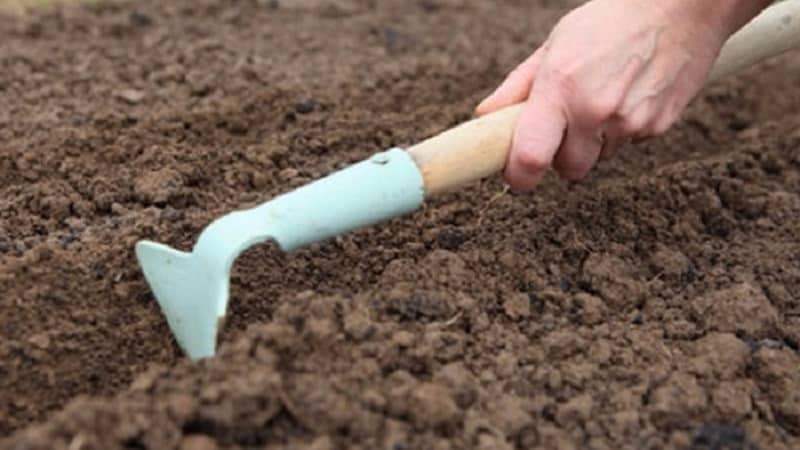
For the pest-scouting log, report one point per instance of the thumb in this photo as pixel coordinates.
(537, 138)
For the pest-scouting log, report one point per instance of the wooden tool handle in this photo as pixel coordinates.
(479, 148)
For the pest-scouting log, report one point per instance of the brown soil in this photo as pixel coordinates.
(652, 306)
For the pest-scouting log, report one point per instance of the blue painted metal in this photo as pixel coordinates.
(192, 288)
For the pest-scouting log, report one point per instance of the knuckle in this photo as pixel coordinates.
(532, 161)
(633, 124)
(601, 109)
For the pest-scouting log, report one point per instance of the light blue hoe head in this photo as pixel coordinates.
(189, 295)
(192, 288)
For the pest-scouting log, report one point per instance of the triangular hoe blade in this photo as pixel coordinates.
(183, 288)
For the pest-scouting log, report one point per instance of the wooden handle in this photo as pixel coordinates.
(479, 148)
(775, 31)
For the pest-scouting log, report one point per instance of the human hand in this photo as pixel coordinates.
(611, 70)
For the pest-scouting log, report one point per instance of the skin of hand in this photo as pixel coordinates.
(610, 71)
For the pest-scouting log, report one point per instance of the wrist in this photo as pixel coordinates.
(721, 18)
(734, 14)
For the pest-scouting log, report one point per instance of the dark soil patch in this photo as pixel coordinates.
(652, 306)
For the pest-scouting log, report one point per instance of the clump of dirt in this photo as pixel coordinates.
(650, 306)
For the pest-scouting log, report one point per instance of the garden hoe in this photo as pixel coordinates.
(192, 288)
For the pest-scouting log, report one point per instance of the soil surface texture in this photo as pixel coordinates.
(652, 306)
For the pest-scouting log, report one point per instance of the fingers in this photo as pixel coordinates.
(537, 138)
(614, 138)
(515, 88)
(578, 153)
(611, 146)
(670, 114)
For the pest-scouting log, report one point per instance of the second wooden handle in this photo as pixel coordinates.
(479, 148)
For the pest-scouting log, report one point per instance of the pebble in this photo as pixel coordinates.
(131, 96)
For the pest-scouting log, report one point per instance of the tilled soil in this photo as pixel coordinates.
(652, 306)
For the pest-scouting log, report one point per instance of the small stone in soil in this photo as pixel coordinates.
(305, 106)
(132, 96)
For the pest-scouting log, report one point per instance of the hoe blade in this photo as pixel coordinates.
(181, 286)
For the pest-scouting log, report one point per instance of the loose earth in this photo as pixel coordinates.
(651, 306)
